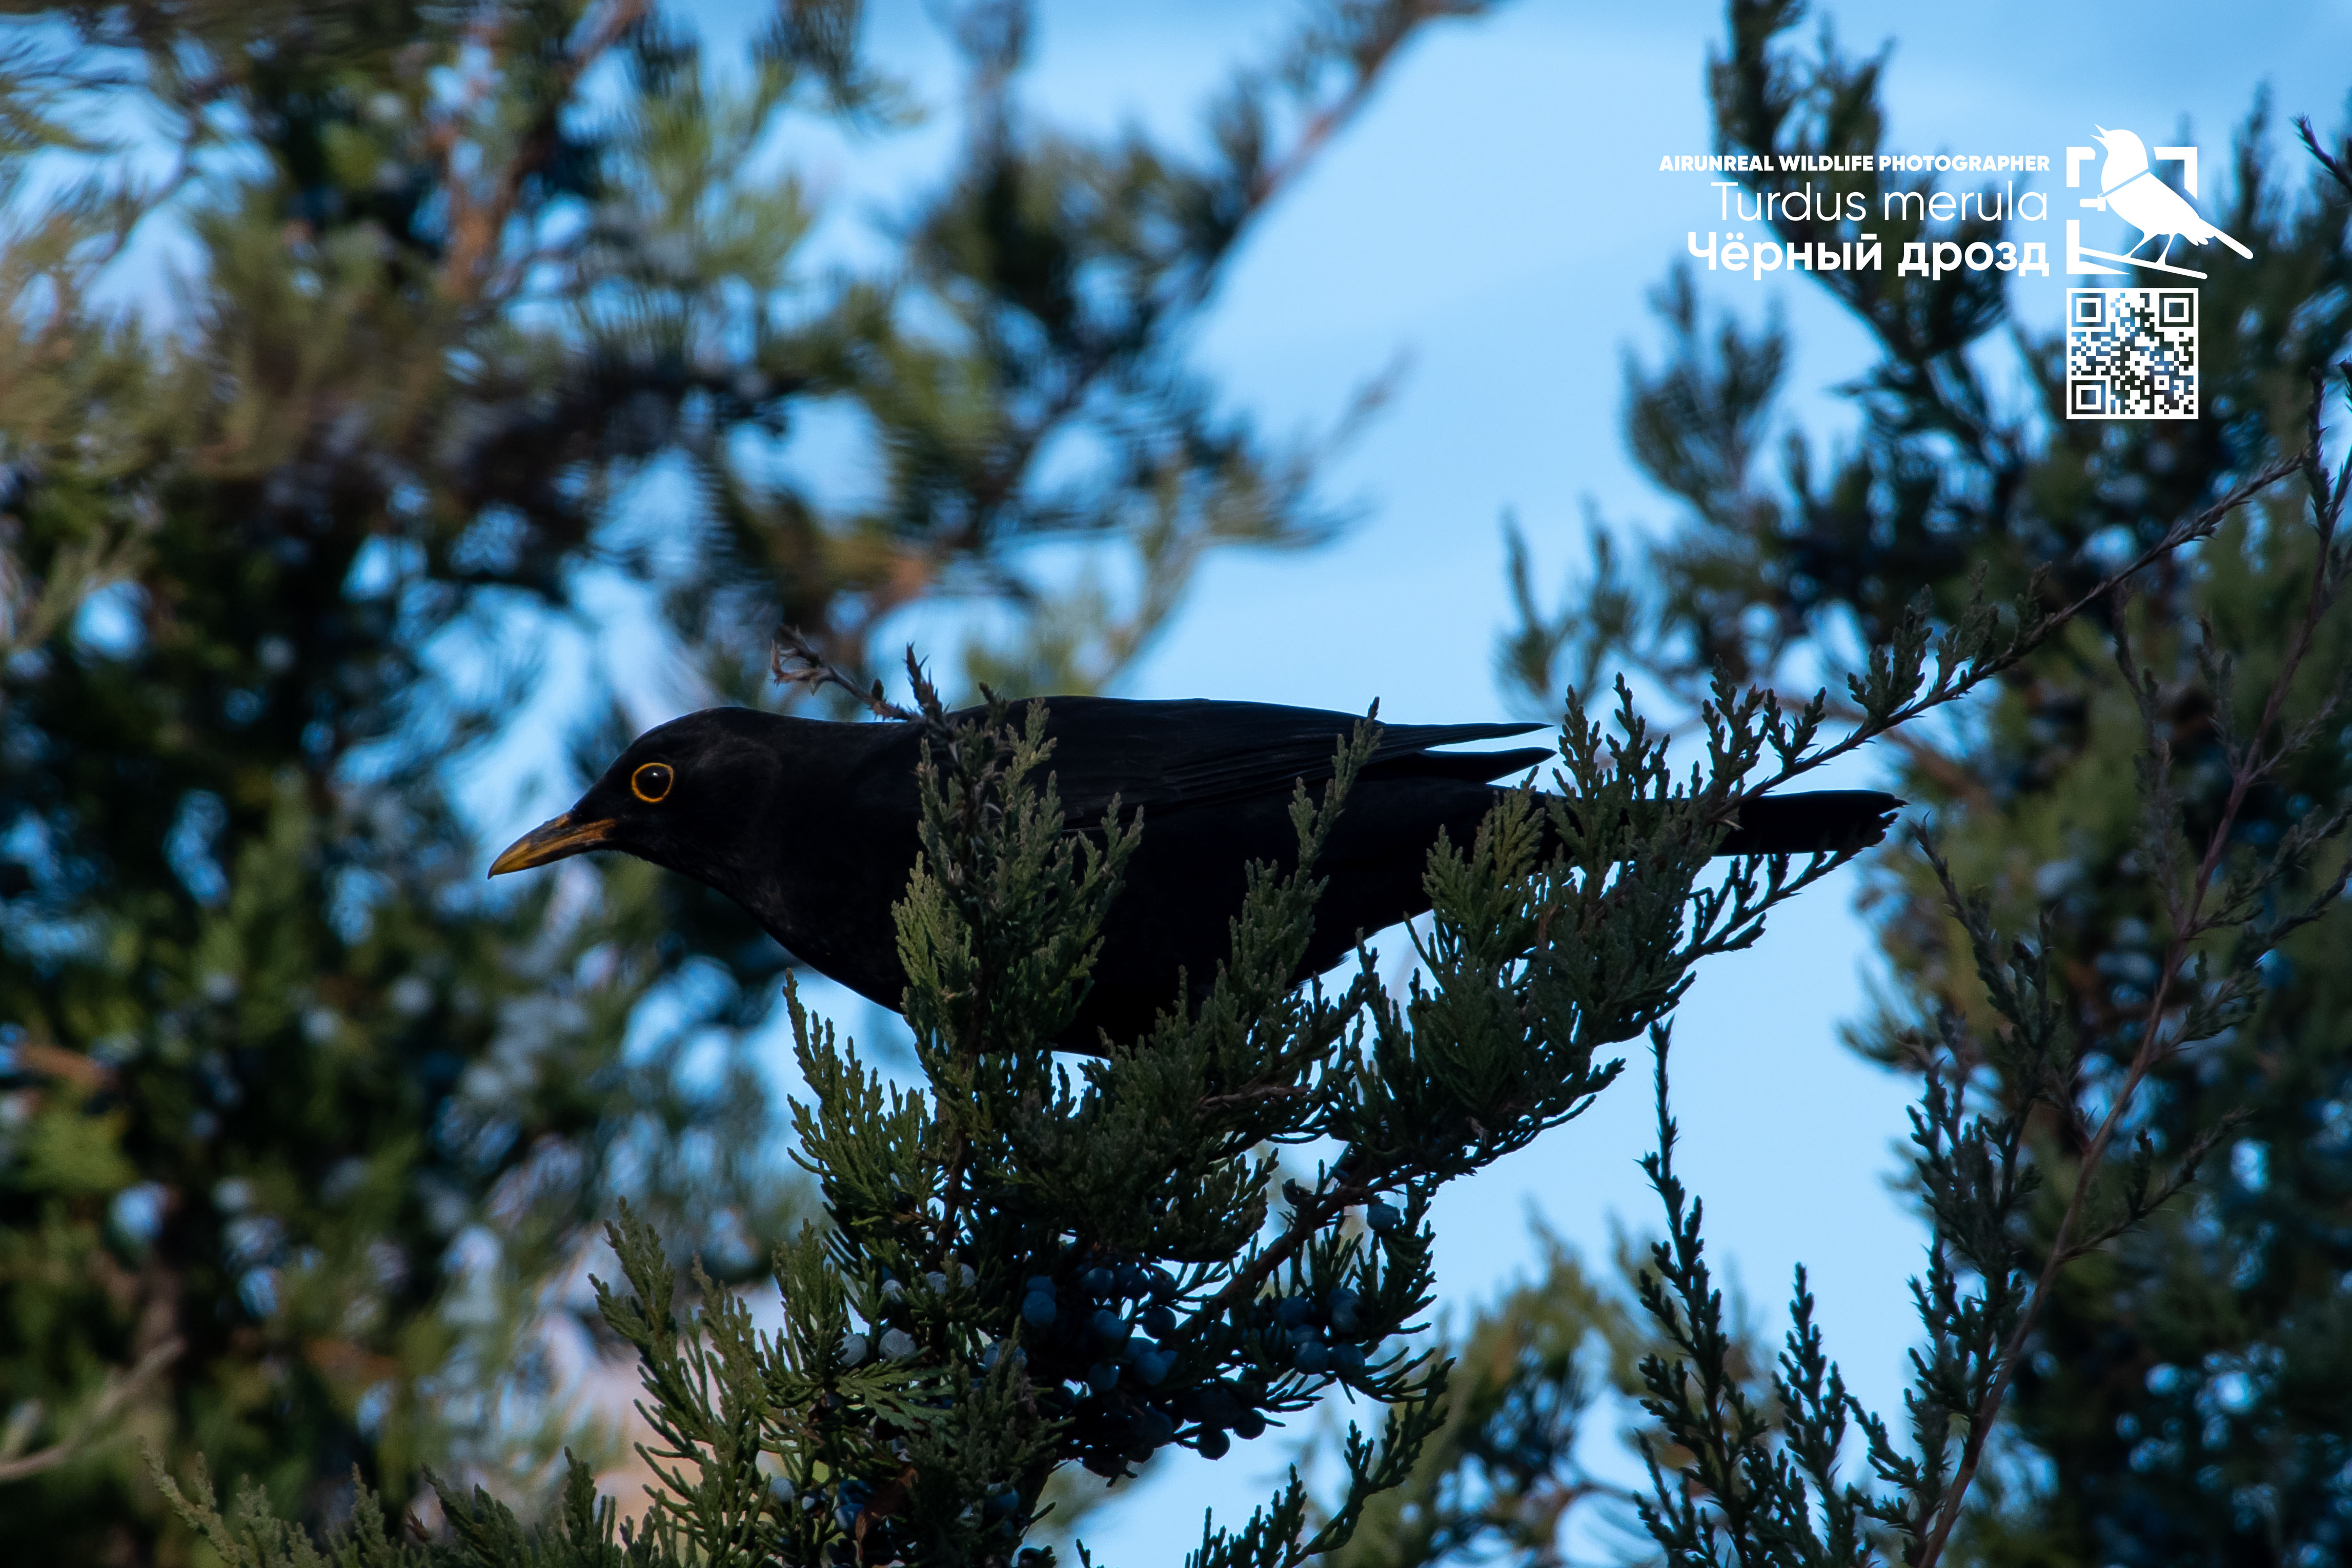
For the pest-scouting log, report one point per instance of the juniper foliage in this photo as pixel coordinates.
(2008, 1210)
(1026, 1266)
(1535, 1375)
(300, 1134)
(2112, 963)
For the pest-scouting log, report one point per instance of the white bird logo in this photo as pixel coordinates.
(2147, 203)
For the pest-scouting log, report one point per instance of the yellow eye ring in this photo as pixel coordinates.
(651, 782)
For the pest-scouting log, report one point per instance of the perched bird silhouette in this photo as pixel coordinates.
(811, 826)
(2136, 195)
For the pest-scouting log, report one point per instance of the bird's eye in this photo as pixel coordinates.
(652, 781)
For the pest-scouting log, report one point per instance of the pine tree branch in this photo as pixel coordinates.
(477, 224)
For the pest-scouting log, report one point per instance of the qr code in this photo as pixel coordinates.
(2131, 353)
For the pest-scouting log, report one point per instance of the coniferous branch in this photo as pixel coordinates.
(117, 1390)
(2194, 913)
(1757, 1479)
(1895, 689)
(475, 263)
(1763, 1483)
(2340, 168)
(1768, 1493)
(1008, 1240)
(1027, 1267)
(1505, 1472)
(1938, 485)
(457, 278)
(1707, 1416)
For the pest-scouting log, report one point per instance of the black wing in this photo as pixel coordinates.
(1195, 752)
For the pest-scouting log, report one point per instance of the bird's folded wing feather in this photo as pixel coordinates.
(1166, 754)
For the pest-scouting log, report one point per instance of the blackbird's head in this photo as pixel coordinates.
(688, 795)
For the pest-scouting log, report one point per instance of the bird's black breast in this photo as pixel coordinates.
(836, 849)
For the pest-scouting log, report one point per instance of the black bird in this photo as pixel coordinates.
(811, 826)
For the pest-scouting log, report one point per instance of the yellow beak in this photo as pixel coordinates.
(551, 841)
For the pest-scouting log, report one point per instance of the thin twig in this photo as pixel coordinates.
(1251, 1096)
(795, 661)
(121, 1385)
(2340, 168)
(1307, 1220)
(1369, 61)
(1947, 686)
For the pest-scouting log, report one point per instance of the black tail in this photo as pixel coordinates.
(1824, 821)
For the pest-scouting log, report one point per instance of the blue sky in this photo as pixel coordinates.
(1498, 216)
